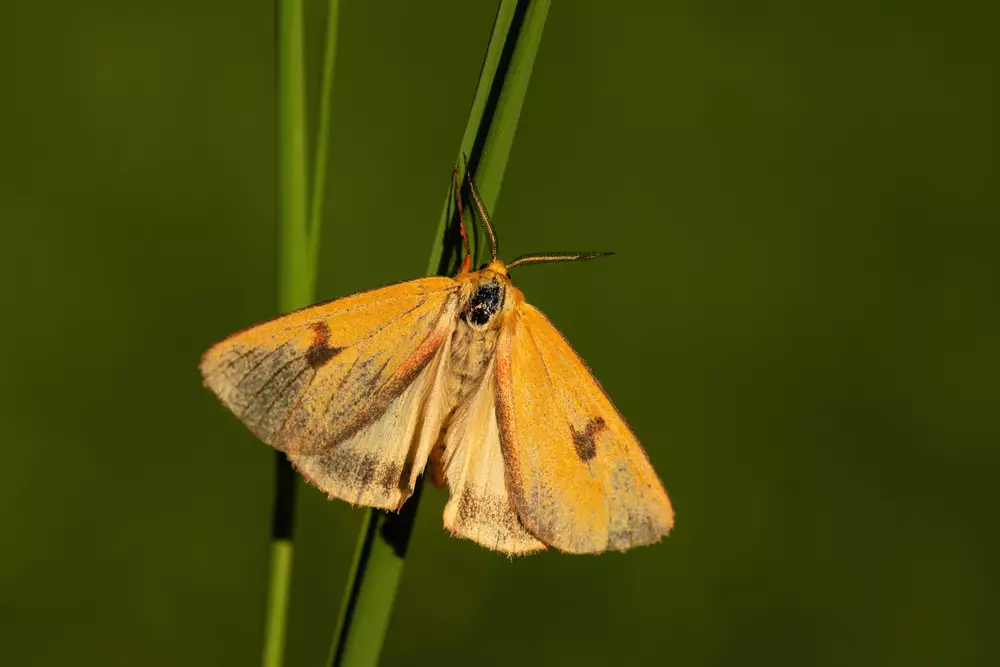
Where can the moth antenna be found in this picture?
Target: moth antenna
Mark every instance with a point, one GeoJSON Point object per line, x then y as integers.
{"type": "Point", "coordinates": [467, 260]}
{"type": "Point", "coordinates": [484, 217]}
{"type": "Point", "coordinates": [539, 257]}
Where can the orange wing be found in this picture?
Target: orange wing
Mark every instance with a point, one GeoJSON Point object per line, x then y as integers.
{"type": "Point", "coordinates": [579, 479]}
{"type": "Point", "coordinates": [342, 387]}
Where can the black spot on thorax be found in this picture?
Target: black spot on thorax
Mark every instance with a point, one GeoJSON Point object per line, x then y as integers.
{"type": "Point", "coordinates": [583, 441]}
{"type": "Point", "coordinates": [484, 304]}
{"type": "Point", "coordinates": [320, 351]}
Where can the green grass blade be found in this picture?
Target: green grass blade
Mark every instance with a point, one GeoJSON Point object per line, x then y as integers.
{"type": "Point", "coordinates": [279, 585]}
{"type": "Point", "coordinates": [372, 584]}
{"type": "Point", "coordinates": [295, 282]}
{"type": "Point", "coordinates": [489, 135]}
{"type": "Point", "coordinates": [323, 132]}
{"type": "Point", "coordinates": [298, 240]}
{"type": "Point", "coordinates": [294, 291]}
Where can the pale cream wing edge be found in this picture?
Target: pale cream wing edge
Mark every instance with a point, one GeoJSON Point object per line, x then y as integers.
{"type": "Point", "coordinates": [479, 507]}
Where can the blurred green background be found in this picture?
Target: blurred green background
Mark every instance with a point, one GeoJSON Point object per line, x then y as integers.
{"type": "Point", "coordinates": [801, 324]}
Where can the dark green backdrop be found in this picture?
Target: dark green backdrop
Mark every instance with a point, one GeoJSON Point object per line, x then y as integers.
{"type": "Point", "coordinates": [801, 324]}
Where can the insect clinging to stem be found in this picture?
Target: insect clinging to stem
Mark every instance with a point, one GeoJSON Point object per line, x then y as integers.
{"type": "Point", "coordinates": [461, 376]}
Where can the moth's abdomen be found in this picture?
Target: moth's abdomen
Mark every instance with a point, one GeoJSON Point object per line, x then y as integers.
{"type": "Point", "coordinates": [471, 352]}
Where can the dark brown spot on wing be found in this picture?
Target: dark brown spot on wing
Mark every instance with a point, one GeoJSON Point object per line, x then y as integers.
{"type": "Point", "coordinates": [366, 470]}
{"type": "Point", "coordinates": [468, 506]}
{"type": "Point", "coordinates": [389, 477]}
{"type": "Point", "coordinates": [357, 477]}
{"type": "Point", "coordinates": [488, 510]}
{"type": "Point", "coordinates": [320, 351]}
{"type": "Point", "coordinates": [583, 441]}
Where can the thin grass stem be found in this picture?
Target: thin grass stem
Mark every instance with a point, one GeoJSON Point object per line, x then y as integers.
{"type": "Point", "coordinates": [323, 132]}
{"type": "Point", "coordinates": [295, 282]}
{"type": "Point", "coordinates": [294, 291]}
{"type": "Point", "coordinates": [298, 247]}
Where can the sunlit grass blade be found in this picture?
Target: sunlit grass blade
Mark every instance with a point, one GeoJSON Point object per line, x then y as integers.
{"type": "Point", "coordinates": [488, 137]}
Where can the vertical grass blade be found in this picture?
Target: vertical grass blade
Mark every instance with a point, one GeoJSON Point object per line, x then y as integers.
{"type": "Point", "coordinates": [323, 133]}
{"type": "Point", "coordinates": [295, 287]}
{"type": "Point", "coordinates": [295, 283]}
{"type": "Point", "coordinates": [489, 135]}
{"type": "Point", "coordinates": [298, 247]}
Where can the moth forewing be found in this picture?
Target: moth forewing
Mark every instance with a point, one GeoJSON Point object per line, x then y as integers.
{"type": "Point", "coordinates": [310, 381]}
{"type": "Point", "coordinates": [379, 464]}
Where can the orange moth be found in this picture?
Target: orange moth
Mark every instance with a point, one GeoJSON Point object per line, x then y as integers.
{"type": "Point", "coordinates": [459, 375]}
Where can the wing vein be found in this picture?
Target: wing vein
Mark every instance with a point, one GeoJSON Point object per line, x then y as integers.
{"type": "Point", "coordinates": [259, 362]}
{"type": "Point", "coordinates": [257, 393]}
{"type": "Point", "coordinates": [281, 391]}
{"type": "Point", "coordinates": [329, 401]}
{"type": "Point", "coordinates": [232, 362]}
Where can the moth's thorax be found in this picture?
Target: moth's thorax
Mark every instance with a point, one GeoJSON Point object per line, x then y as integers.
{"type": "Point", "coordinates": [487, 297]}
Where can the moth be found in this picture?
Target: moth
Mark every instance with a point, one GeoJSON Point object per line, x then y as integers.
{"type": "Point", "coordinates": [462, 378]}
